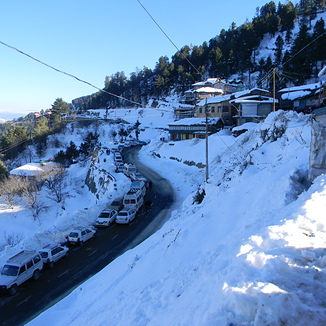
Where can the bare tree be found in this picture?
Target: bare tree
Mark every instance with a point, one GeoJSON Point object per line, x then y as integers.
{"type": "Point", "coordinates": [55, 183]}
{"type": "Point", "coordinates": [31, 194]}
{"type": "Point", "coordinates": [12, 189]}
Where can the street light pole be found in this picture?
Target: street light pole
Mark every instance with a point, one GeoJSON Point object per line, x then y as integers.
{"type": "Point", "coordinates": [206, 137]}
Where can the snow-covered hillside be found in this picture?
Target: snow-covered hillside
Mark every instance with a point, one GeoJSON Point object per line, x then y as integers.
{"type": "Point", "coordinates": [252, 252]}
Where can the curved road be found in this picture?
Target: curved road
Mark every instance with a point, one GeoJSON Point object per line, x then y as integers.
{"type": "Point", "coordinates": [33, 297]}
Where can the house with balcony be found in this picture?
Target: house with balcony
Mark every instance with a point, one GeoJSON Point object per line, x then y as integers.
{"type": "Point", "coordinates": [211, 87]}
{"type": "Point", "coordinates": [253, 108]}
{"type": "Point", "coordinates": [226, 87]}
{"type": "Point", "coordinates": [227, 108]}
{"type": "Point", "coordinates": [303, 98]}
{"type": "Point", "coordinates": [190, 128]}
{"type": "Point", "coordinates": [184, 111]}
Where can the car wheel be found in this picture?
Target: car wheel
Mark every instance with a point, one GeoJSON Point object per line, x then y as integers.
{"type": "Point", "coordinates": [36, 275]}
{"type": "Point", "coordinates": [81, 242]}
{"type": "Point", "coordinates": [13, 289]}
{"type": "Point", "coordinates": [51, 264]}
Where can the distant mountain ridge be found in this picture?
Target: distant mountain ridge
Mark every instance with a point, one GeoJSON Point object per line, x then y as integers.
{"type": "Point", "coordinates": [7, 116]}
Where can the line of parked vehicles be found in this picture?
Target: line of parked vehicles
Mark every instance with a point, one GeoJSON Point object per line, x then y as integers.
{"type": "Point", "coordinates": [27, 264]}
{"type": "Point", "coordinates": [123, 210]}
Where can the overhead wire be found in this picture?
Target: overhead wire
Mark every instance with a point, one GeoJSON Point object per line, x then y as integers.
{"type": "Point", "coordinates": [68, 74]}
{"type": "Point", "coordinates": [314, 40]}
{"type": "Point", "coordinates": [166, 35]}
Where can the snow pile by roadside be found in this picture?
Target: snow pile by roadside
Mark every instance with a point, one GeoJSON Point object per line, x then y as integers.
{"type": "Point", "coordinates": [250, 253]}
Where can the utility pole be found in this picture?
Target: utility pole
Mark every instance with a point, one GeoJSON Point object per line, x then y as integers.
{"type": "Point", "coordinates": [206, 137]}
{"type": "Point", "coordinates": [274, 86]}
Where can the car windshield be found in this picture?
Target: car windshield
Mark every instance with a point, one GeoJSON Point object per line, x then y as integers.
{"type": "Point", "coordinates": [44, 254]}
{"type": "Point", "coordinates": [115, 203]}
{"type": "Point", "coordinates": [123, 214]}
{"type": "Point", "coordinates": [10, 270]}
{"type": "Point", "coordinates": [73, 235]}
{"type": "Point", "coordinates": [104, 215]}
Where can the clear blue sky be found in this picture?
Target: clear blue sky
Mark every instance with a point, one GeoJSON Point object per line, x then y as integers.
{"type": "Point", "coordinates": [94, 39]}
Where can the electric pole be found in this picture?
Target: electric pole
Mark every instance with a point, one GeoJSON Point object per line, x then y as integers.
{"type": "Point", "coordinates": [206, 137]}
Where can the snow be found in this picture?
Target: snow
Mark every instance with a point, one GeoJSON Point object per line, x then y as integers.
{"type": "Point", "coordinates": [251, 253]}
{"type": "Point", "coordinates": [193, 121]}
{"type": "Point", "coordinates": [294, 95]}
{"type": "Point", "coordinates": [208, 90]}
{"type": "Point", "coordinates": [33, 169]}
{"type": "Point", "coordinates": [300, 88]}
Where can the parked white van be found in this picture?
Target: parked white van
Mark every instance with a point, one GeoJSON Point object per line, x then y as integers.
{"type": "Point", "coordinates": [129, 169]}
{"type": "Point", "coordinates": [138, 185]}
{"type": "Point", "coordinates": [20, 268]}
{"type": "Point", "coordinates": [133, 199]}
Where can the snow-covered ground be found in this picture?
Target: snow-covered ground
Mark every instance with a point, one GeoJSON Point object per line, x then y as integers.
{"type": "Point", "coordinates": [252, 252]}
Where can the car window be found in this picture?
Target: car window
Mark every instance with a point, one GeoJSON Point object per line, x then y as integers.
{"type": "Point", "coordinates": [88, 231]}
{"type": "Point", "coordinates": [22, 269]}
{"type": "Point", "coordinates": [44, 254]}
{"type": "Point", "coordinates": [29, 264]}
{"type": "Point", "coordinates": [36, 259]}
{"type": "Point", "coordinates": [10, 270]}
{"type": "Point", "coordinates": [83, 233]}
{"type": "Point", "coordinates": [73, 234]}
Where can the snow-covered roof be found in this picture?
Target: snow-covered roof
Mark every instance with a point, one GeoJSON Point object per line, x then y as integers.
{"type": "Point", "coordinates": [255, 99]}
{"type": "Point", "coordinates": [194, 121]}
{"type": "Point", "coordinates": [300, 88]}
{"type": "Point", "coordinates": [33, 169]}
{"type": "Point", "coordinates": [208, 90]}
{"type": "Point", "coordinates": [207, 81]}
{"type": "Point", "coordinates": [249, 91]}
{"type": "Point", "coordinates": [214, 99]}
{"type": "Point", "coordinates": [295, 95]}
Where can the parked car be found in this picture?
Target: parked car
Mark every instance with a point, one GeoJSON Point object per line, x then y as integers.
{"type": "Point", "coordinates": [119, 167]}
{"type": "Point", "coordinates": [79, 236]}
{"type": "Point", "coordinates": [117, 204]}
{"type": "Point", "coordinates": [52, 253]}
{"type": "Point", "coordinates": [20, 268]}
{"type": "Point", "coordinates": [138, 177]}
{"type": "Point", "coordinates": [125, 216]}
{"type": "Point", "coordinates": [106, 218]}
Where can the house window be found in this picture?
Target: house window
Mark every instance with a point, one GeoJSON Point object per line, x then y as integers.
{"type": "Point", "coordinates": [219, 109]}
{"type": "Point", "coordinates": [200, 110]}
{"type": "Point", "coordinates": [225, 109]}
{"type": "Point", "coordinates": [212, 109]}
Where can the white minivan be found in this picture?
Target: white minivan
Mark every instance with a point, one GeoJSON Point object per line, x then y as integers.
{"type": "Point", "coordinates": [20, 268]}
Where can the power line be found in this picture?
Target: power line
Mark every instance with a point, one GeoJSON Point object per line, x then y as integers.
{"type": "Point", "coordinates": [161, 29]}
{"type": "Point", "coordinates": [67, 74]}
{"type": "Point", "coordinates": [303, 48]}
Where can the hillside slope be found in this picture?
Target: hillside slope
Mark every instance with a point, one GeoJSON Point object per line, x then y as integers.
{"type": "Point", "coordinates": [251, 253]}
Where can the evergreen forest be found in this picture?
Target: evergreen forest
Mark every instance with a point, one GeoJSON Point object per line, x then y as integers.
{"type": "Point", "coordinates": [231, 52]}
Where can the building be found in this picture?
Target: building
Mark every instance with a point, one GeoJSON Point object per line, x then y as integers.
{"type": "Point", "coordinates": [303, 98]}
{"type": "Point", "coordinates": [216, 107]}
{"type": "Point", "coordinates": [218, 83]}
{"type": "Point", "coordinates": [194, 128]}
{"type": "Point", "coordinates": [184, 111]}
{"type": "Point", "coordinates": [211, 87]}
{"type": "Point", "coordinates": [253, 108]}
{"type": "Point", "coordinates": [229, 107]}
